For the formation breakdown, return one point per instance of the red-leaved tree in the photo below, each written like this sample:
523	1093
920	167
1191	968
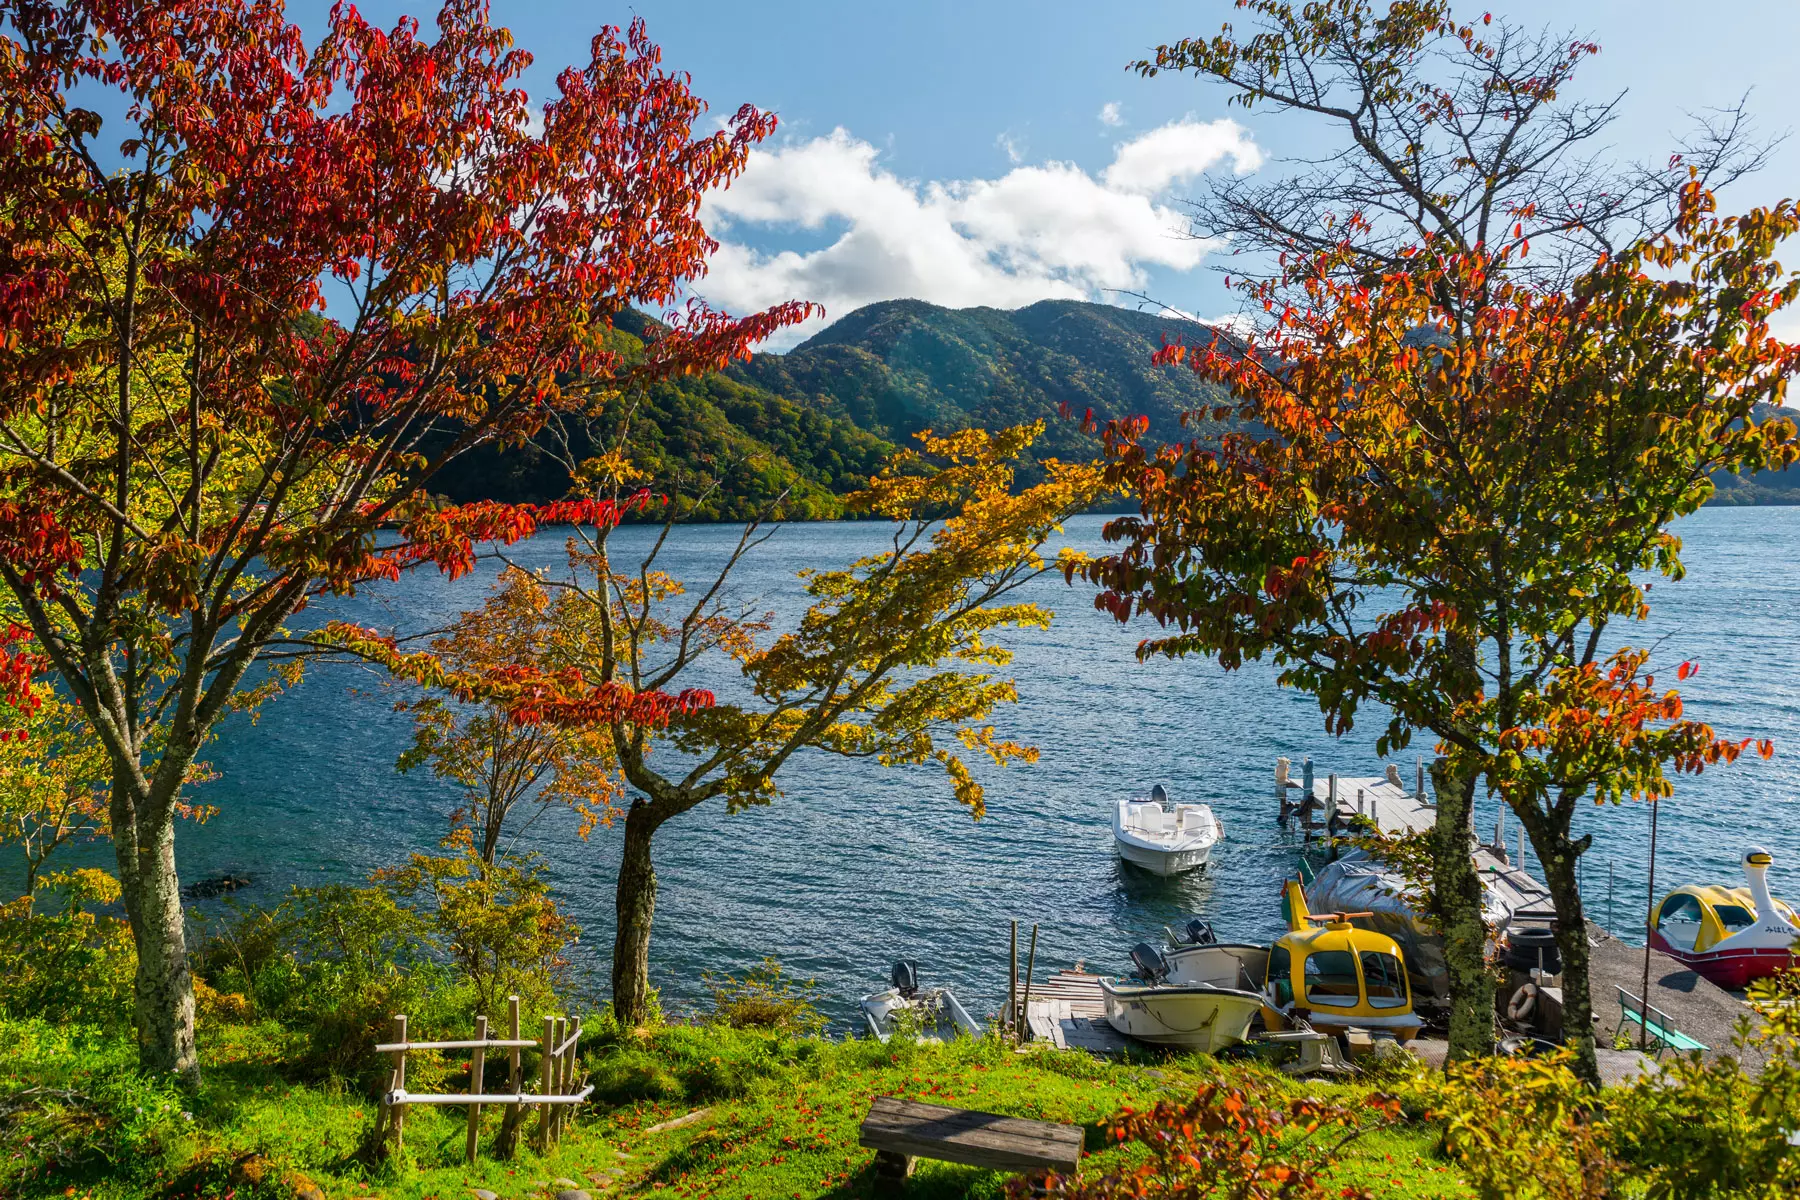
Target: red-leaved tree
190	452
1458	488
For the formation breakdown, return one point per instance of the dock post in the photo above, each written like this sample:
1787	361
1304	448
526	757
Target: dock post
1419	768
1030	966
1359	802
1012	980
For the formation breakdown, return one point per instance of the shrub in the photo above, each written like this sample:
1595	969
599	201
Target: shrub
1697	1130
58	956
766	998
496	922
1233	1143
1523	1128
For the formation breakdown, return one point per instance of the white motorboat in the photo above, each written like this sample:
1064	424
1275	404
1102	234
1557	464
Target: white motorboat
1195	1016
908	1010
1165	838
1195	956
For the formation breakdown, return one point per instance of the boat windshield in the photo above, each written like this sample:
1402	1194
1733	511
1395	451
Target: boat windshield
1384	978
1734	917
1330	977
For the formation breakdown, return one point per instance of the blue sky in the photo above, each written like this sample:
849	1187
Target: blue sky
965	152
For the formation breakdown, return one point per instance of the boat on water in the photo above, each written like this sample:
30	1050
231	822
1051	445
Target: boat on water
908	1010
1162	837
1154	1007
1732	936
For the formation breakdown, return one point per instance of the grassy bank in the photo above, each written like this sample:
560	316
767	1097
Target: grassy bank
781	1121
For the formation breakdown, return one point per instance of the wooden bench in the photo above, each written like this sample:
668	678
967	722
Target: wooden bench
901	1130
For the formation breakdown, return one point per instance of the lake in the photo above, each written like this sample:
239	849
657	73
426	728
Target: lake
858	865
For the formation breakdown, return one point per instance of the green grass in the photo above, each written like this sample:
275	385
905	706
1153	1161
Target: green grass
782	1122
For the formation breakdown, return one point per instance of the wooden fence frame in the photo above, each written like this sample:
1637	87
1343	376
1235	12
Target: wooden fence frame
555	1100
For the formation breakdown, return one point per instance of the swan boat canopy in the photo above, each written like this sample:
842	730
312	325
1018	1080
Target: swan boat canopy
1165	838
1732	936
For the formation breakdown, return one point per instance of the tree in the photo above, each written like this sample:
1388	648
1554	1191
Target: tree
1451	507
189	452
52	784
503	764
1463	133
887	658
1464	136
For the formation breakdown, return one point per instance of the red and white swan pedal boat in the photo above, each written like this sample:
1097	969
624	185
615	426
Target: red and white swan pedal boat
1730	935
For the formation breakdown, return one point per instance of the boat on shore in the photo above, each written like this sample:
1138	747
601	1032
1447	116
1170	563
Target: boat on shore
1335	977
1155	1008
907	1010
1732	936
1165	838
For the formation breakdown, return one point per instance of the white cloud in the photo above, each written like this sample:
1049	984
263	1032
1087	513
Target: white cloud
1014	152
1038	232
1110	115
1179	151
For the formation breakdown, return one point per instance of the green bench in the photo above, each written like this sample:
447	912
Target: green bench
1659	1028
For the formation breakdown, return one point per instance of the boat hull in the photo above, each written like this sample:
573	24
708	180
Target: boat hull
1207	1019
1163	862
1732	970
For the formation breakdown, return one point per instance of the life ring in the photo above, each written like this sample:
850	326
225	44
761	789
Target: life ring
1523	1002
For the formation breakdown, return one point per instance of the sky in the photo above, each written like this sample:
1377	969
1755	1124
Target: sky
998	152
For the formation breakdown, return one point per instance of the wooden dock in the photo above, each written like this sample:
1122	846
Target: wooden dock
1068	1010
1336	799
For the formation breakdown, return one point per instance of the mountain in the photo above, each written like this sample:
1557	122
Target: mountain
815	422
1763	487
900	366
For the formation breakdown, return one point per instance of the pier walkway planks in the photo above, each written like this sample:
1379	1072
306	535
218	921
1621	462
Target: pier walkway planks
1068	1010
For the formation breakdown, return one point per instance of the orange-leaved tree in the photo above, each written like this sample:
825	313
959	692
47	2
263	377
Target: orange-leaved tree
890	660
1451	511
503	764
189	451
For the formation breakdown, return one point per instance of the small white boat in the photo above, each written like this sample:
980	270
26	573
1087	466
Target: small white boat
908	1010
1194	1016
1195	956
1162	838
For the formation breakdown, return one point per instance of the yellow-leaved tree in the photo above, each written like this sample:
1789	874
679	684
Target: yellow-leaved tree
891	662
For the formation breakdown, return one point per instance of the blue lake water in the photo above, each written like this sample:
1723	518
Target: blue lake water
858	865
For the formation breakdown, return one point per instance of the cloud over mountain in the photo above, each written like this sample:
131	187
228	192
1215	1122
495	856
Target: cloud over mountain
1049	231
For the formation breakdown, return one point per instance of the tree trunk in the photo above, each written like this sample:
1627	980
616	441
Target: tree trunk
164	999
1457	895
635	906
1558	854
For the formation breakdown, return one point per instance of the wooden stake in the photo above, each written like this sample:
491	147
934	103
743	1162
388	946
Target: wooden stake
544	1085
396	1081
477	1071
515	1082
1012	980
566	1112
1030	968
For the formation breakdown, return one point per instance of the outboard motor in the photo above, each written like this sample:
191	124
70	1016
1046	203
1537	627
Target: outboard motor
905	978
1199	933
1160	794
1149	964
